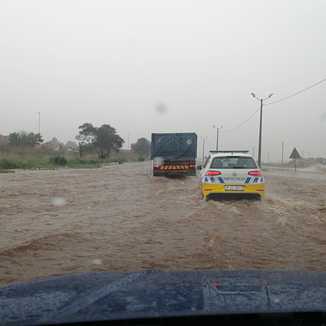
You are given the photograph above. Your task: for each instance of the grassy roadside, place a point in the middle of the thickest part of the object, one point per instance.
(49, 161)
(30, 164)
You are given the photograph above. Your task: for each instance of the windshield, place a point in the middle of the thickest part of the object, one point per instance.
(172, 135)
(233, 162)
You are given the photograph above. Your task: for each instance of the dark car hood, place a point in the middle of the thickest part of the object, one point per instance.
(111, 296)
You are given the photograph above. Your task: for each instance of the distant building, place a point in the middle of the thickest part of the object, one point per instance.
(71, 146)
(53, 145)
(3, 140)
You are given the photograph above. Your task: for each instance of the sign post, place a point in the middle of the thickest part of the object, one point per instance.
(294, 156)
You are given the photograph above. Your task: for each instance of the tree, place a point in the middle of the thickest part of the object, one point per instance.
(24, 139)
(107, 140)
(103, 139)
(142, 147)
(86, 137)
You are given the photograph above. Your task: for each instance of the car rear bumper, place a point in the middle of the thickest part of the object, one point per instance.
(211, 190)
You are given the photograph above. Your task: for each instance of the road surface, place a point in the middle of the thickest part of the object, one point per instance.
(120, 218)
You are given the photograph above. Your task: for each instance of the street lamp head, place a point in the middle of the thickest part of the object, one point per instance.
(270, 95)
(253, 95)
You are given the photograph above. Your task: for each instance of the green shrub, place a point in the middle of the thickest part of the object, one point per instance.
(141, 159)
(79, 163)
(8, 164)
(58, 160)
(122, 160)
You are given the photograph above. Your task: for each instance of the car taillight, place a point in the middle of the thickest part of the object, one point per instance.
(255, 173)
(212, 173)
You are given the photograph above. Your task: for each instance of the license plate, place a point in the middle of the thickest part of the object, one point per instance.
(233, 188)
(233, 180)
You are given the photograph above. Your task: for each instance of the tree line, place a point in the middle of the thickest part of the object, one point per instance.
(24, 138)
(102, 140)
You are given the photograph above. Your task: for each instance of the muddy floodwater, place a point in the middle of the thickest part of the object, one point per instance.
(120, 218)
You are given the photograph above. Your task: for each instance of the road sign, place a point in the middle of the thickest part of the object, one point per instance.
(295, 154)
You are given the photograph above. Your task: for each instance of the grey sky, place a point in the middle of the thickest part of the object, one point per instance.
(116, 61)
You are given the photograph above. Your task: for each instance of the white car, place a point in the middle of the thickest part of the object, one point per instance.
(231, 172)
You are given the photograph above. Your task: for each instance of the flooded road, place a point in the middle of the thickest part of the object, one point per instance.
(120, 218)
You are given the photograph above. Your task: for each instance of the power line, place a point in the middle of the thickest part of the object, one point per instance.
(297, 92)
(243, 122)
(278, 101)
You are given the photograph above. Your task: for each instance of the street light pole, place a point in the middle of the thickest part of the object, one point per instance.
(217, 136)
(261, 100)
(260, 132)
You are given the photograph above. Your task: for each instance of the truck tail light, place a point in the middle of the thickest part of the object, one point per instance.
(213, 173)
(255, 173)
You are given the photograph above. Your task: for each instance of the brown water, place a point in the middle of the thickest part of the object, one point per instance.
(123, 219)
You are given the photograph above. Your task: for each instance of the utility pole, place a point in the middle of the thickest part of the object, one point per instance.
(282, 152)
(261, 100)
(128, 142)
(39, 122)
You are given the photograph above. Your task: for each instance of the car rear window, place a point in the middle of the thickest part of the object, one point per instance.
(233, 162)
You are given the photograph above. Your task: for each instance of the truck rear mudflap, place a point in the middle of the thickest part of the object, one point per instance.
(186, 168)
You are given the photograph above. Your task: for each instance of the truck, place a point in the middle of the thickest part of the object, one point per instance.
(174, 154)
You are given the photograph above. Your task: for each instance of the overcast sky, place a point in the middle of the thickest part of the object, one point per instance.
(166, 66)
